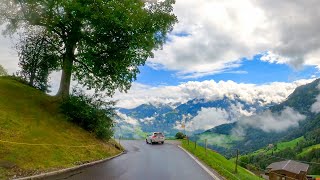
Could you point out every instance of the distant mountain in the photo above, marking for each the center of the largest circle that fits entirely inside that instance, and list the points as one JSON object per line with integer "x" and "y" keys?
{"x": 300, "y": 101}
{"x": 146, "y": 110}
{"x": 162, "y": 117}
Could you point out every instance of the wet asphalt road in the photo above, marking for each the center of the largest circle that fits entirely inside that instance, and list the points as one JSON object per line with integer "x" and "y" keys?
{"x": 142, "y": 162}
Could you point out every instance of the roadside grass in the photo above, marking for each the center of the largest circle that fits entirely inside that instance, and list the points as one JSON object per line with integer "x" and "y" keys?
{"x": 219, "y": 163}
{"x": 32, "y": 117}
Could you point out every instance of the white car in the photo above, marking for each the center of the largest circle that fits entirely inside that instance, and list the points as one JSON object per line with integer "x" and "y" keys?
{"x": 156, "y": 137}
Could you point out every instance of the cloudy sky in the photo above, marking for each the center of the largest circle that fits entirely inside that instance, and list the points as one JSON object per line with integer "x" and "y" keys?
{"x": 257, "y": 48}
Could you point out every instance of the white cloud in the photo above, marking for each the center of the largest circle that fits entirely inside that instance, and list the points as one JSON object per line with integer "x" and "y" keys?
{"x": 316, "y": 105}
{"x": 127, "y": 119}
{"x": 275, "y": 92}
{"x": 274, "y": 58}
{"x": 219, "y": 34}
{"x": 147, "y": 120}
{"x": 270, "y": 122}
{"x": 294, "y": 24}
{"x": 213, "y": 35}
{"x": 208, "y": 118}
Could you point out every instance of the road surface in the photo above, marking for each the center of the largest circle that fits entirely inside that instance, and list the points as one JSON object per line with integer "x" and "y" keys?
{"x": 142, "y": 162}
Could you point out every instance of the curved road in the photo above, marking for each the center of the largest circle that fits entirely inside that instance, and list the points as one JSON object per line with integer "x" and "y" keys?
{"x": 143, "y": 162}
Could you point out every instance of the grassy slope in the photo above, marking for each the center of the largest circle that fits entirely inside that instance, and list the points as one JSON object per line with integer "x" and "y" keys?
{"x": 289, "y": 144}
{"x": 308, "y": 149}
{"x": 218, "y": 162}
{"x": 29, "y": 116}
{"x": 280, "y": 146}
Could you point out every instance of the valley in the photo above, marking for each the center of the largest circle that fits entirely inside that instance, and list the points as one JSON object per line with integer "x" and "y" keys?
{"x": 291, "y": 128}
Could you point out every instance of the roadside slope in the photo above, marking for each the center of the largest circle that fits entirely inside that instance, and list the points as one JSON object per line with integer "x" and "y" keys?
{"x": 35, "y": 137}
{"x": 219, "y": 163}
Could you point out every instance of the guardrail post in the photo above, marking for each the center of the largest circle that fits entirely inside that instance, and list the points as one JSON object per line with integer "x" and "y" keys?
{"x": 236, "y": 169}
{"x": 205, "y": 147}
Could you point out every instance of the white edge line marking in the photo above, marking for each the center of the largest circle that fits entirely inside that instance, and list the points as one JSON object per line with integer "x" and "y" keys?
{"x": 200, "y": 164}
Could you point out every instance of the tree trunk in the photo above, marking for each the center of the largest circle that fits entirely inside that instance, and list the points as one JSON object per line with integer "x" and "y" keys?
{"x": 67, "y": 65}
{"x": 32, "y": 77}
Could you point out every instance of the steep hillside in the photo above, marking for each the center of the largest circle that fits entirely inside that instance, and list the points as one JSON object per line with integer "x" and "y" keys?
{"x": 35, "y": 137}
{"x": 300, "y": 100}
{"x": 305, "y": 149}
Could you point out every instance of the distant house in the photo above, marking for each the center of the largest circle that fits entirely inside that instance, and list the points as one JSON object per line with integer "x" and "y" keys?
{"x": 287, "y": 170}
{"x": 270, "y": 146}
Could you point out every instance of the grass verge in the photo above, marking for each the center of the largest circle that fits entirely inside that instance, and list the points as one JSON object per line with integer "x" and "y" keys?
{"x": 217, "y": 162}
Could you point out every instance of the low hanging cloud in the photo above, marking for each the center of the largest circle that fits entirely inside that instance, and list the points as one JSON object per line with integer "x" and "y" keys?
{"x": 208, "y": 118}
{"x": 127, "y": 119}
{"x": 275, "y": 92}
{"x": 315, "y": 107}
{"x": 270, "y": 122}
{"x": 147, "y": 120}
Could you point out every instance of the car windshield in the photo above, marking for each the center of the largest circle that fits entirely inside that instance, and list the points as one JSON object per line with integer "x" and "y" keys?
{"x": 159, "y": 134}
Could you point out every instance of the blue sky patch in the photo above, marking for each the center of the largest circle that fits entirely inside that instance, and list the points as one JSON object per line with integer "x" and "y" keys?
{"x": 251, "y": 71}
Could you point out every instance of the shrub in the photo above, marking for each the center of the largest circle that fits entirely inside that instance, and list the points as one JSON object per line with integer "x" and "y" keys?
{"x": 89, "y": 112}
{"x": 180, "y": 135}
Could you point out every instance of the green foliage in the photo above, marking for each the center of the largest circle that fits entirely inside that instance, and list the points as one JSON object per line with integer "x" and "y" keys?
{"x": 102, "y": 42}
{"x": 180, "y": 135}
{"x": 3, "y": 71}
{"x": 89, "y": 112}
{"x": 37, "y": 59}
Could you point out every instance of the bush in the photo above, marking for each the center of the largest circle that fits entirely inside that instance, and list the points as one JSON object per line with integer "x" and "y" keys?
{"x": 90, "y": 113}
{"x": 180, "y": 135}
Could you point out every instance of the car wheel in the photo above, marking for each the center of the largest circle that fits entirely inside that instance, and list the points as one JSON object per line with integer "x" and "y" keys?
{"x": 147, "y": 141}
{"x": 162, "y": 142}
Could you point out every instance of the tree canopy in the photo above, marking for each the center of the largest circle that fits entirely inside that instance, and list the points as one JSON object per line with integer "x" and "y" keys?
{"x": 37, "y": 58}
{"x": 102, "y": 42}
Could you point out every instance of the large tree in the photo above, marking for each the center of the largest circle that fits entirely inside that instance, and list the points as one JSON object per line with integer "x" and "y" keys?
{"x": 103, "y": 42}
